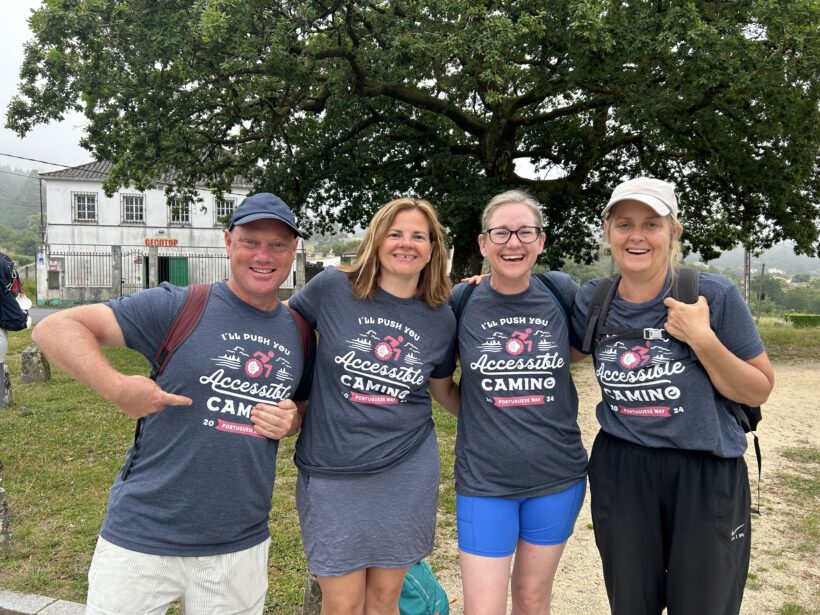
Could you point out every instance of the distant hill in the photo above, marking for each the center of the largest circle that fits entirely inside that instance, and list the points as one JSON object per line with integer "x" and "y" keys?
{"x": 780, "y": 257}
{"x": 19, "y": 196}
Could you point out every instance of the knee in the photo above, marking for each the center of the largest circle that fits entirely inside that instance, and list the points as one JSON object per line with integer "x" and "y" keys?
{"x": 342, "y": 605}
{"x": 382, "y": 598}
{"x": 530, "y": 597}
{"x": 345, "y": 601}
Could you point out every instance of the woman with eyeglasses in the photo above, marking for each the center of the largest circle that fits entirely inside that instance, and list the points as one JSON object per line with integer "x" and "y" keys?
{"x": 520, "y": 465}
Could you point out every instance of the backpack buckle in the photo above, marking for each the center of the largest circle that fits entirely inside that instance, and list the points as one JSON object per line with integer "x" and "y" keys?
{"x": 655, "y": 334}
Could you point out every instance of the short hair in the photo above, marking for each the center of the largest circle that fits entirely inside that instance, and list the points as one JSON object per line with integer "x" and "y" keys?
{"x": 512, "y": 196}
{"x": 433, "y": 286}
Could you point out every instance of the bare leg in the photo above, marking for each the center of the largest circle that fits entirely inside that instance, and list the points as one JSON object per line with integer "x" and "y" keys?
{"x": 533, "y": 576}
{"x": 343, "y": 595}
{"x": 383, "y": 590}
{"x": 485, "y": 581}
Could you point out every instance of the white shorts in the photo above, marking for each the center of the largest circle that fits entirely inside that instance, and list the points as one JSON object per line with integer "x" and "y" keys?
{"x": 4, "y": 345}
{"x": 124, "y": 582}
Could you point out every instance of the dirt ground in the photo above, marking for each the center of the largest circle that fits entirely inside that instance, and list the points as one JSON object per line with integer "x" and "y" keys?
{"x": 781, "y": 571}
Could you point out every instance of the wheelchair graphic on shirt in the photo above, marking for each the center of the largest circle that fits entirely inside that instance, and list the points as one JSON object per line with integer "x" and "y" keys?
{"x": 388, "y": 348}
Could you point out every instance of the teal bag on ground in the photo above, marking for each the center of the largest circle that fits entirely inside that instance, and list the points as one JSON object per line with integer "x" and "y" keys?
{"x": 421, "y": 593}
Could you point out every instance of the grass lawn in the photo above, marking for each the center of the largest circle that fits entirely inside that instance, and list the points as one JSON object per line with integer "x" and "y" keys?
{"x": 62, "y": 446}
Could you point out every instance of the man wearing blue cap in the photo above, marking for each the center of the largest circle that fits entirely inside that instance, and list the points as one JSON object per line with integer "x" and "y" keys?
{"x": 187, "y": 516}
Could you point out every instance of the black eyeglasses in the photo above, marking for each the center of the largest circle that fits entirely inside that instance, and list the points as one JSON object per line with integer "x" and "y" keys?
{"x": 525, "y": 234}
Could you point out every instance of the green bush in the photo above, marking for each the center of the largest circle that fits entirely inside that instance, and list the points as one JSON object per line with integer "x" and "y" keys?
{"x": 803, "y": 321}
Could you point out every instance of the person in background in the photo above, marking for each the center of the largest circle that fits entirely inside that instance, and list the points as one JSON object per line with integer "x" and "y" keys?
{"x": 13, "y": 317}
{"x": 520, "y": 464}
{"x": 368, "y": 461}
{"x": 187, "y": 516}
{"x": 669, "y": 488}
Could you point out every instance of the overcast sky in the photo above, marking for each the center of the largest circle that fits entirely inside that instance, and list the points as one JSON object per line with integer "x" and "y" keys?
{"x": 55, "y": 142}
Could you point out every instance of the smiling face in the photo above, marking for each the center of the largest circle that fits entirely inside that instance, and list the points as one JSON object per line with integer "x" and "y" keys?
{"x": 511, "y": 263}
{"x": 404, "y": 252}
{"x": 641, "y": 240}
{"x": 261, "y": 255}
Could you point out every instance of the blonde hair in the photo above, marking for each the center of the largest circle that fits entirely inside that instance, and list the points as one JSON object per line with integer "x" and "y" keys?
{"x": 675, "y": 246}
{"x": 512, "y": 196}
{"x": 433, "y": 286}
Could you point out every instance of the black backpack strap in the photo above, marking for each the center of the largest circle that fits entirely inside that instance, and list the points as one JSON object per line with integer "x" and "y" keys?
{"x": 685, "y": 288}
{"x": 566, "y": 310}
{"x": 748, "y": 417}
{"x": 184, "y": 322}
{"x": 598, "y": 308}
{"x": 686, "y": 285}
{"x": 546, "y": 280}
{"x": 462, "y": 300}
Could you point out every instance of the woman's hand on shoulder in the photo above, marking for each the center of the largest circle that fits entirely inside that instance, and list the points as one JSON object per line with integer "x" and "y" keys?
{"x": 476, "y": 279}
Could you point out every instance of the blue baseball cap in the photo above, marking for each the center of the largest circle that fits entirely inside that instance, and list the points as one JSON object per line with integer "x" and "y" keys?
{"x": 264, "y": 205}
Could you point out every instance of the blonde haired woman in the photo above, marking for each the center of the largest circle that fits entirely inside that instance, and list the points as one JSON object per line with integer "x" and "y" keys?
{"x": 368, "y": 461}
{"x": 669, "y": 488}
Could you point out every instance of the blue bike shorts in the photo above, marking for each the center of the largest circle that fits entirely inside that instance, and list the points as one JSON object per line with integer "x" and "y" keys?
{"x": 492, "y": 527}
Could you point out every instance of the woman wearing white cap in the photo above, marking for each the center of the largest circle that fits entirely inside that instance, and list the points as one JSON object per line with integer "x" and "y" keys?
{"x": 669, "y": 487}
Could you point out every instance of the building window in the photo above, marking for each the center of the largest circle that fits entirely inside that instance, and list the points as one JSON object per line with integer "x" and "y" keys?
{"x": 133, "y": 209}
{"x": 179, "y": 212}
{"x": 222, "y": 211}
{"x": 85, "y": 207}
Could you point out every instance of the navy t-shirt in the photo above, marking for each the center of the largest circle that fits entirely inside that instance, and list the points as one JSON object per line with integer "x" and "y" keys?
{"x": 656, "y": 393}
{"x": 518, "y": 433}
{"x": 369, "y": 404}
{"x": 199, "y": 481}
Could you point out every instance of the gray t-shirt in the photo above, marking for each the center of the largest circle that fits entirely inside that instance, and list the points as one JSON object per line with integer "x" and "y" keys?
{"x": 369, "y": 404}
{"x": 656, "y": 393}
{"x": 199, "y": 481}
{"x": 518, "y": 433}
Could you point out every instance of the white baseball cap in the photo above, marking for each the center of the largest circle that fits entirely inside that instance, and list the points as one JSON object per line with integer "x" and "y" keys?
{"x": 656, "y": 193}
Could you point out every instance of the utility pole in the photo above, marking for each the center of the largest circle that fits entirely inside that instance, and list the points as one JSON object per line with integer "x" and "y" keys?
{"x": 42, "y": 217}
{"x": 760, "y": 293}
{"x": 747, "y": 275}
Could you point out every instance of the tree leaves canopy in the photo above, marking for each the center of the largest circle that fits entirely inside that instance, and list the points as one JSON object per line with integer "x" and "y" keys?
{"x": 339, "y": 106}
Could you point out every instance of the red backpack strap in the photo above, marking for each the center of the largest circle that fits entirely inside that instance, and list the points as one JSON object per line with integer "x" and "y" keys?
{"x": 184, "y": 322}
{"x": 305, "y": 332}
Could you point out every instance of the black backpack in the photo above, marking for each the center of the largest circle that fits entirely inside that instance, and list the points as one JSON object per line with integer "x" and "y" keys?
{"x": 685, "y": 288}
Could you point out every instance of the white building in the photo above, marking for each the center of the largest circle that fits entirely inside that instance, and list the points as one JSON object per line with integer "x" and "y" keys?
{"x": 97, "y": 247}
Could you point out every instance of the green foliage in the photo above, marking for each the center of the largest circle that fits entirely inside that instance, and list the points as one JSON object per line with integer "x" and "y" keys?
{"x": 805, "y": 298}
{"x": 770, "y": 287}
{"x": 803, "y": 321}
{"x": 786, "y": 342}
{"x": 20, "y": 245}
{"x": 19, "y": 197}
{"x": 339, "y": 107}
{"x": 582, "y": 272}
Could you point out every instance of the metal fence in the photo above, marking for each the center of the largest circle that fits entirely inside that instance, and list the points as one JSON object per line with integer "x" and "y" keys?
{"x": 84, "y": 269}
{"x": 139, "y": 266}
